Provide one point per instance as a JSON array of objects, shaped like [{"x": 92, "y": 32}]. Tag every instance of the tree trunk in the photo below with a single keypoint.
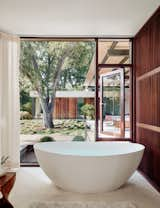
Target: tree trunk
[
  {"x": 48, "y": 119},
  {"x": 47, "y": 113}
]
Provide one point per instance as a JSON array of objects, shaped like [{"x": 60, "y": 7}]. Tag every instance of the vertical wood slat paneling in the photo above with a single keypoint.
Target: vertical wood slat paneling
[
  {"x": 147, "y": 59},
  {"x": 66, "y": 108},
  {"x": 148, "y": 100},
  {"x": 72, "y": 108}
]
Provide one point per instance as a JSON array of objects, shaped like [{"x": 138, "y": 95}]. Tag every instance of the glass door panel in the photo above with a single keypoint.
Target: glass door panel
[{"x": 112, "y": 103}]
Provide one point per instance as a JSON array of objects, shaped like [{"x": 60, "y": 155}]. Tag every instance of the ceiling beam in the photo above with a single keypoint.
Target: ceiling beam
[
  {"x": 124, "y": 60},
  {"x": 107, "y": 55},
  {"x": 118, "y": 52}
]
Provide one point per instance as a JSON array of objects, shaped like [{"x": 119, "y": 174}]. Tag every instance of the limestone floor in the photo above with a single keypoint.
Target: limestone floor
[{"x": 33, "y": 185}]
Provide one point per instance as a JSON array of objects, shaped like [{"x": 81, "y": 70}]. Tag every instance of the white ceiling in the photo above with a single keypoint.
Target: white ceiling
[{"x": 75, "y": 17}]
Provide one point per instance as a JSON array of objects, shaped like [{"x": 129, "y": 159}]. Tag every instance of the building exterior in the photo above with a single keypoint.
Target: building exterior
[{"x": 67, "y": 104}]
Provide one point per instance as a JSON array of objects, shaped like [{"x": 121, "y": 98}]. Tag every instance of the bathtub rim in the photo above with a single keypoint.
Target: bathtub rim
[{"x": 141, "y": 149}]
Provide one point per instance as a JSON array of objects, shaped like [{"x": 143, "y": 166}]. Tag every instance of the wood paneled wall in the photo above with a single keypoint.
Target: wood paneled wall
[
  {"x": 147, "y": 81},
  {"x": 67, "y": 108}
]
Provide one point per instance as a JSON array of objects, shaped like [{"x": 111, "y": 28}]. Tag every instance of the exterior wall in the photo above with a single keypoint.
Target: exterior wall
[
  {"x": 66, "y": 108},
  {"x": 89, "y": 101},
  {"x": 147, "y": 72}
]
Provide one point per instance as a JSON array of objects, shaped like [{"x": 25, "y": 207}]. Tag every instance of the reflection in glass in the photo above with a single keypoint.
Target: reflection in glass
[
  {"x": 111, "y": 103},
  {"x": 114, "y": 102}
]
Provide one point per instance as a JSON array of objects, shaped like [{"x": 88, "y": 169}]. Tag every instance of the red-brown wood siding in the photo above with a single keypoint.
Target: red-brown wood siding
[
  {"x": 147, "y": 59},
  {"x": 89, "y": 101},
  {"x": 66, "y": 108}
]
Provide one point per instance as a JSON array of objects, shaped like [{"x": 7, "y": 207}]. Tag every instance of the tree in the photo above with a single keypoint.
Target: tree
[
  {"x": 51, "y": 65},
  {"x": 88, "y": 110},
  {"x": 25, "y": 88}
]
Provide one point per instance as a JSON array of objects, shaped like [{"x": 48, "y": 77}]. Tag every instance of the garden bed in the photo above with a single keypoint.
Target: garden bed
[{"x": 65, "y": 127}]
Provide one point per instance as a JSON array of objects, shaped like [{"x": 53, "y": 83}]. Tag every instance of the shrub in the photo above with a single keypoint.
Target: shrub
[
  {"x": 25, "y": 115},
  {"x": 27, "y": 107},
  {"x": 78, "y": 139},
  {"x": 88, "y": 110},
  {"x": 47, "y": 139}
]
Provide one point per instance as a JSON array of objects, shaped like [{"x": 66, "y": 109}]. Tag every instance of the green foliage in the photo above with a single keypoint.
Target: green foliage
[
  {"x": 76, "y": 66},
  {"x": 25, "y": 88},
  {"x": 88, "y": 110},
  {"x": 66, "y": 127},
  {"x": 78, "y": 139},
  {"x": 70, "y": 124},
  {"x": 47, "y": 139},
  {"x": 27, "y": 107},
  {"x": 24, "y": 97},
  {"x": 25, "y": 115},
  {"x": 40, "y": 61},
  {"x": 52, "y": 65}
]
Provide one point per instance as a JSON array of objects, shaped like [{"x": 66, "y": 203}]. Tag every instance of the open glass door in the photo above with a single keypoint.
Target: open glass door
[{"x": 112, "y": 103}]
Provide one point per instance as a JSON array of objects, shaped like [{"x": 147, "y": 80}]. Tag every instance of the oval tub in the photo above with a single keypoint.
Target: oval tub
[{"x": 87, "y": 167}]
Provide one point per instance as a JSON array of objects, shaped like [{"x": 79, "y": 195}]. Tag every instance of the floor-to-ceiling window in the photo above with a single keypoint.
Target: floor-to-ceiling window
[
  {"x": 57, "y": 90},
  {"x": 75, "y": 90},
  {"x": 114, "y": 86}
]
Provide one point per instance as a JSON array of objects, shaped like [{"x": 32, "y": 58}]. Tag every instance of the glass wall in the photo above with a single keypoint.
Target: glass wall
[
  {"x": 114, "y": 74},
  {"x": 57, "y": 90},
  {"x": 57, "y": 83}
]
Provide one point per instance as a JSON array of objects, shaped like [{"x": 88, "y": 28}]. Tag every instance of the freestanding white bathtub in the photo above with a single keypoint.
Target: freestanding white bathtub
[{"x": 87, "y": 167}]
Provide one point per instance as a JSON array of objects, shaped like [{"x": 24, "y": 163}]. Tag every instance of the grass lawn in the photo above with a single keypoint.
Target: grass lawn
[{"x": 64, "y": 127}]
